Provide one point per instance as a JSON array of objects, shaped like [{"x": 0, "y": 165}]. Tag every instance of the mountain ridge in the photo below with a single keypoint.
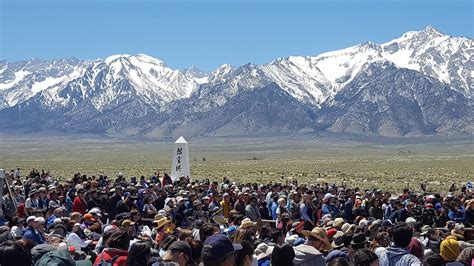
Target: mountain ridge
[{"x": 112, "y": 94}]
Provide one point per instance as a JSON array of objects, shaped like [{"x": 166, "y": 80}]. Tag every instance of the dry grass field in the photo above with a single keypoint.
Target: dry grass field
[{"x": 389, "y": 164}]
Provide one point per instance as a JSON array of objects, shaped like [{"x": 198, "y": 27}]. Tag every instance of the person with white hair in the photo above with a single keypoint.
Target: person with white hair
[
  {"x": 31, "y": 232},
  {"x": 41, "y": 226}
]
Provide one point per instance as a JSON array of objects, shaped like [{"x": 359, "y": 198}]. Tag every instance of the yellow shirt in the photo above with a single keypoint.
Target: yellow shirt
[{"x": 225, "y": 208}]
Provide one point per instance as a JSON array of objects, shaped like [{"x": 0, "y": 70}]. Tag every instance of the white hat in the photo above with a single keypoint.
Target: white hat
[
  {"x": 77, "y": 224},
  {"x": 263, "y": 250},
  {"x": 30, "y": 218},
  {"x": 40, "y": 220},
  {"x": 363, "y": 223},
  {"x": 458, "y": 227},
  {"x": 411, "y": 221},
  {"x": 291, "y": 239},
  {"x": 109, "y": 227},
  {"x": 95, "y": 211},
  {"x": 328, "y": 196},
  {"x": 345, "y": 227},
  {"x": 167, "y": 200}
]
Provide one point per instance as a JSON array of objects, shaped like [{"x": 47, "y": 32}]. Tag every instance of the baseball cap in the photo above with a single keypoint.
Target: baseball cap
[
  {"x": 182, "y": 246},
  {"x": 89, "y": 216},
  {"x": 218, "y": 247}
]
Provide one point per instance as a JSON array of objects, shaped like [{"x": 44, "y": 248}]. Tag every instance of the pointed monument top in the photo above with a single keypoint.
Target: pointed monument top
[{"x": 181, "y": 140}]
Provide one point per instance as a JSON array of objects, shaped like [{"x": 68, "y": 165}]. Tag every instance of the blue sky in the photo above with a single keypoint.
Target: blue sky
[{"x": 210, "y": 33}]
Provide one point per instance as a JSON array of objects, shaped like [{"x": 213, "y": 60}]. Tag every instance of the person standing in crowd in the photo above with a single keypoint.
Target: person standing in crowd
[
  {"x": 282, "y": 255},
  {"x": 397, "y": 255},
  {"x": 179, "y": 252},
  {"x": 32, "y": 203},
  {"x": 348, "y": 205},
  {"x": 328, "y": 207},
  {"x": 75, "y": 238},
  {"x": 251, "y": 210},
  {"x": 364, "y": 257},
  {"x": 312, "y": 251},
  {"x": 112, "y": 202},
  {"x": 79, "y": 203},
  {"x": 93, "y": 199},
  {"x": 218, "y": 250},
  {"x": 31, "y": 233},
  {"x": 307, "y": 212},
  {"x": 225, "y": 205},
  {"x": 469, "y": 213},
  {"x": 139, "y": 254},
  {"x": 116, "y": 249},
  {"x": 456, "y": 213},
  {"x": 183, "y": 215}
]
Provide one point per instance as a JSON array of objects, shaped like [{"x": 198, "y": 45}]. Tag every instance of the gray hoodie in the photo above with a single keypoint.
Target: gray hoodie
[
  {"x": 395, "y": 256},
  {"x": 306, "y": 255}
]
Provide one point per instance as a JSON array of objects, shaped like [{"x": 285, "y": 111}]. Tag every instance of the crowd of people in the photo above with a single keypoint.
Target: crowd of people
[{"x": 96, "y": 220}]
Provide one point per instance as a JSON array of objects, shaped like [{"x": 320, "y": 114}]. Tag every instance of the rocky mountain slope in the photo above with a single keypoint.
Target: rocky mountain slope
[{"x": 417, "y": 84}]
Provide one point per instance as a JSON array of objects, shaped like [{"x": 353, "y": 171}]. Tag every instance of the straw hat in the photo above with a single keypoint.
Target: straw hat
[
  {"x": 338, "y": 222},
  {"x": 219, "y": 219},
  {"x": 320, "y": 234},
  {"x": 348, "y": 228},
  {"x": 162, "y": 222},
  {"x": 159, "y": 216},
  {"x": 247, "y": 223}
]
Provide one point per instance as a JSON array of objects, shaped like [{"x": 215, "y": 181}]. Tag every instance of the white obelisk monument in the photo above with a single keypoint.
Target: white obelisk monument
[{"x": 180, "y": 163}]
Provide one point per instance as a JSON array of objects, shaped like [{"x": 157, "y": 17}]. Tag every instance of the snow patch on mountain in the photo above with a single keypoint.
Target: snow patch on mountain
[{"x": 20, "y": 75}]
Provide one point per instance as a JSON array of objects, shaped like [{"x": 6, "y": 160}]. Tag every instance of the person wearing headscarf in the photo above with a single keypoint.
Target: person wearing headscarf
[
  {"x": 449, "y": 249},
  {"x": 416, "y": 248}
]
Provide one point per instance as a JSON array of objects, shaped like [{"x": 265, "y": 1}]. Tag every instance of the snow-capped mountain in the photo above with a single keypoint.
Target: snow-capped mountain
[
  {"x": 139, "y": 94},
  {"x": 62, "y": 82},
  {"x": 448, "y": 59}
]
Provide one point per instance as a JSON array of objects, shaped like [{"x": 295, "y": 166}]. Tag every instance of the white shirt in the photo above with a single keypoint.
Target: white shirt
[
  {"x": 30, "y": 203},
  {"x": 74, "y": 240},
  {"x": 16, "y": 231}
]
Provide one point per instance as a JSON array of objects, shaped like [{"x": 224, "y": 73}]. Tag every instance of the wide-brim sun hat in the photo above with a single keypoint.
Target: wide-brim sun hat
[
  {"x": 320, "y": 234},
  {"x": 263, "y": 250},
  {"x": 219, "y": 219},
  {"x": 162, "y": 222},
  {"x": 247, "y": 223}
]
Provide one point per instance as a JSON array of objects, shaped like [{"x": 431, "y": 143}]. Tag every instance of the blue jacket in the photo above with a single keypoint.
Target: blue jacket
[
  {"x": 264, "y": 262},
  {"x": 31, "y": 235},
  {"x": 274, "y": 210},
  {"x": 330, "y": 209},
  {"x": 50, "y": 221},
  {"x": 457, "y": 216}
]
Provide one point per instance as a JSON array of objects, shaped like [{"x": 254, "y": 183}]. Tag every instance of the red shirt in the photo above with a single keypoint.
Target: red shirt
[
  {"x": 79, "y": 205},
  {"x": 109, "y": 253}
]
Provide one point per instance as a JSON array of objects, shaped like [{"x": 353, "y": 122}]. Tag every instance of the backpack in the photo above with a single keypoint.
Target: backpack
[{"x": 107, "y": 263}]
